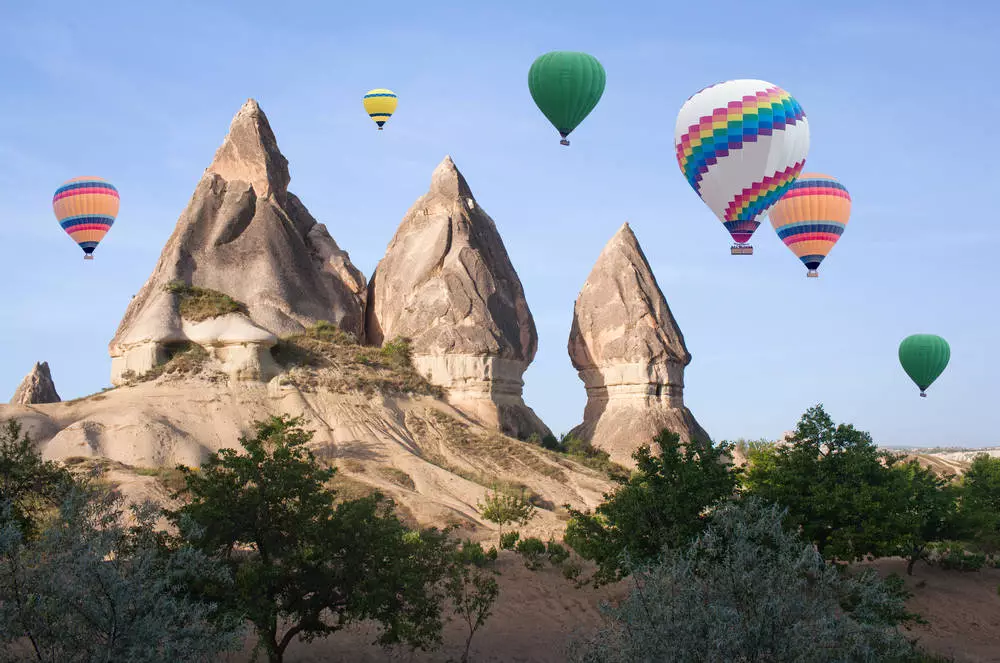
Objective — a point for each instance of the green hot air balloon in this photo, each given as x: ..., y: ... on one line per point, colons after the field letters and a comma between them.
x: 924, y: 357
x: 566, y: 86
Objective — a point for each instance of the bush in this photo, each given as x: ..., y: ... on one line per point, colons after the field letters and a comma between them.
x: 472, y: 587
x: 396, y: 353
x: 92, y: 588
x: 531, y: 549
x: 557, y: 553
x: 30, y: 488
x: 748, y: 590
x: 508, y: 540
x: 980, y: 489
x: 662, y: 504
x: 954, y: 556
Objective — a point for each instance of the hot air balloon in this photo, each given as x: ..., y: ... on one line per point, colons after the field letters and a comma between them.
x: 86, y: 208
x: 811, y: 216
x: 924, y: 357
x: 380, y: 104
x: 566, y: 86
x: 740, y: 145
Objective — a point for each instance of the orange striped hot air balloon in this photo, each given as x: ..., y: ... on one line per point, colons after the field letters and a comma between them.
x: 811, y: 216
x: 86, y: 208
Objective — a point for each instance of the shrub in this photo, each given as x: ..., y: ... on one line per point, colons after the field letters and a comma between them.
x: 531, y: 549
x: 396, y: 353
x: 980, y: 490
x: 30, y: 487
x: 572, y: 569
x: 557, y: 553
x: 508, y: 540
x: 661, y: 504
x: 472, y: 587
x: 748, y: 590
x: 954, y: 556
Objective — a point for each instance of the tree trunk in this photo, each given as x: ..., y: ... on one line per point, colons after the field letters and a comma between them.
x: 914, y: 556
x: 468, y: 644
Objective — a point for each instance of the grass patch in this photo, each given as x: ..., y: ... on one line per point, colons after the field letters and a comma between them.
x: 183, y: 358
x: 352, y: 465
x: 397, y: 476
x: 197, y: 304
x: 171, y: 478
x: 327, y: 357
x: 571, y: 447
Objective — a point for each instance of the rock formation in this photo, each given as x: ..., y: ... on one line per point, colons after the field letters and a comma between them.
x: 36, y: 387
x: 630, y: 354
x: 243, y: 234
x: 447, y: 284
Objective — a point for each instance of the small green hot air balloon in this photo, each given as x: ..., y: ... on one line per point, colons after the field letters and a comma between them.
x: 566, y: 86
x: 924, y: 357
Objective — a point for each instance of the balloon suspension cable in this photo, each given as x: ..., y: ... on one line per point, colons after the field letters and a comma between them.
x: 812, y: 274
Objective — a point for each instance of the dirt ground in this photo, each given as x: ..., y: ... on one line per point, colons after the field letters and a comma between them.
x: 538, y: 611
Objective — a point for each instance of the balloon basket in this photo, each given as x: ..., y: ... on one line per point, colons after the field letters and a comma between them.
x: 380, y: 128
x: 87, y: 256
x: 741, y: 250
x: 564, y: 142
x: 923, y: 395
x: 812, y: 274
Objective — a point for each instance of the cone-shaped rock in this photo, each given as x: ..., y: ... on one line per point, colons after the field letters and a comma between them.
x: 447, y: 284
x: 243, y: 234
x: 630, y: 354
x: 36, y: 387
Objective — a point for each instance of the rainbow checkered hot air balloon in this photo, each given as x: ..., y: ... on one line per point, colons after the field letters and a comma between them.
x: 811, y: 216
x: 740, y: 145
x: 86, y: 208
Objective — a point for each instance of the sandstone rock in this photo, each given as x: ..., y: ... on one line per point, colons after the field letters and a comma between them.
x: 447, y: 284
x: 36, y: 387
x: 630, y: 354
x: 245, y: 235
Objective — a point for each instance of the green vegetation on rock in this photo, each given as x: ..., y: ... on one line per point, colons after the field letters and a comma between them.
x: 197, y: 304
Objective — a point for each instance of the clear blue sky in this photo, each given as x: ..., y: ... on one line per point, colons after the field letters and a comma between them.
x: 902, y: 103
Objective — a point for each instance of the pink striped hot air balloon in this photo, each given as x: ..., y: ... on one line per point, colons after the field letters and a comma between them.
x: 86, y: 208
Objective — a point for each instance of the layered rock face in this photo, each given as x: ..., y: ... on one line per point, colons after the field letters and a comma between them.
x: 630, y: 354
x: 447, y: 284
x: 245, y: 235
x: 37, y: 387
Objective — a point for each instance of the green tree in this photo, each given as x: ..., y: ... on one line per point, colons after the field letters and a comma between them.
x: 748, y: 590
x: 838, y: 487
x: 663, y: 503
x: 92, y: 588
x: 472, y: 587
x: 506, y: 509
x: 980, y: 490
x: 302, y: 561
x: 926, y: 511
x: 28, y: 485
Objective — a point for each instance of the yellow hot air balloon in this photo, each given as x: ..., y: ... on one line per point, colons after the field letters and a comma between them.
x: 811, y: 216
x: 380, y: 104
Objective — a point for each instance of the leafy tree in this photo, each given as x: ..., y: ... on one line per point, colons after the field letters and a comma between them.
x: 981, y: 501
x: 926, y: 511
x: 304, y: 560
x: 28, y: 485
x: 472, y: 587
x: 506, y: 509
x: 662, y: 503
x: 748, y: 590
x: 838, y: 487
x: 92, y: 588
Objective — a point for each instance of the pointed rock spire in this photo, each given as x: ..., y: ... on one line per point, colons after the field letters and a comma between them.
x: 629, y: 352
x: 447, y: 283
x: 37, y: 387
x: 250, y: 154
x: 244, y: 235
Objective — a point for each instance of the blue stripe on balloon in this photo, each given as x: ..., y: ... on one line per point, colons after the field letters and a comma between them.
x: 811, y: 227
x: 85, y: 219
x: 85, y: 184
x: 812, y: 183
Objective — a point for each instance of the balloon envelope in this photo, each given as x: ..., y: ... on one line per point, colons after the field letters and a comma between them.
x: 811, y: 216
x: 924, y: 357
x: 380, y: 104
x: 740, y: 145
x: 86, y: 208
x: 566, y: 86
